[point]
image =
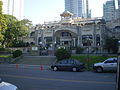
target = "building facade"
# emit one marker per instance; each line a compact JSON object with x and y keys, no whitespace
{"x":119,"y":4}
{"x":109,"y":10}
{"x":75,"y":7}
{"x":14,"y":7}
{"x":71,"y":32}
{"x":117,"y":14}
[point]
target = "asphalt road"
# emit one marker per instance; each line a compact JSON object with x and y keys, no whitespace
{"x":36,"y":79}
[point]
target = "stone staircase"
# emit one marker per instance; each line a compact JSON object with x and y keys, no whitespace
{"x":37,"y":60}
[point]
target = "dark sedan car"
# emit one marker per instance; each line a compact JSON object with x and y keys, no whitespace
{"x":69,"y":64}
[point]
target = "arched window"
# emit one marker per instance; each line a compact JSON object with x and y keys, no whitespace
{"x":63,"y":34}
{"x":32,"y":34}
{"x":98,"y":40}
{"x":87,"y":40}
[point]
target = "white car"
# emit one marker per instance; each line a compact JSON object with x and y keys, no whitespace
{"x":7,"y":86}
{"x":109,"y":64}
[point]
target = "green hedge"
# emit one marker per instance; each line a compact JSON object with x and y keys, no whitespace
{"x":62,"y":54}
{"x":92,"y":59}
{"x":17,"y":53}
{"x":2,"y":49}
{"x":79,"y":50}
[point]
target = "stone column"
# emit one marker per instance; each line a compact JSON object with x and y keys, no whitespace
{"x":94,"y":35}
{"x":45,"y":41}
{"x":80,"y":36}
{"x":78,"y":40}
{"x":69,"y":44}
{"x":37,"y":41}
{"x":42,"y":38}
{"x":74,"y":42}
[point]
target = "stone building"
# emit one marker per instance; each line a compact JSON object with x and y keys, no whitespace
{"x":71,"y":32}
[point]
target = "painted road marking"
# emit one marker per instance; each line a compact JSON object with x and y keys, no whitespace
{"x":53,"y":79}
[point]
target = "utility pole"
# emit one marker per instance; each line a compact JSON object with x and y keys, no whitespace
{"x":87,"y":8}
{"x":118,"y":70}
{"x":88,"y":54}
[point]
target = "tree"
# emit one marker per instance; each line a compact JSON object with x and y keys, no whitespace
{"x":62,"y":54}
{"x":3,"y":25}
{"x":15,"y":29}
{"x":111,"y":45}
{"x":12,"y":31}
{"x":19,"y":43}
{"x":24,"y":26}
{"x":17,"y":53}
{"x":1,"y":7}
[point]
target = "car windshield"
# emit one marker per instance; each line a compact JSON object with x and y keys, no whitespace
{"x":62,"y":62}
{"x":71,"y":61}
{"x":111,"y":60}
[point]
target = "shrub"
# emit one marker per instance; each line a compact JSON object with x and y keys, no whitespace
{"x":79,"y":50}
{"x":19,"y":43}
{"x":17,"y":53}
{"x":2,"y":49}
{"x":62,"y":54}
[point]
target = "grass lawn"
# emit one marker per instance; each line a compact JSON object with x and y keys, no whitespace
{"x":92,"y":59}
{"x":6,"y":56}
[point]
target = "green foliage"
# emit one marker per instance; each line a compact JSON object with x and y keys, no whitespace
{"x":19,"y":43}
{"x":62,"y":54}
{"x":111,"y":45}
{"x":24,"y":26}
{"x":1,"y":7}
{"x":6,"y":56}
{"x":92,"y":59}
{"x":5,"y":49}
{"x":2,"y":23}
{"x":2,"y":49}
{"x":79,"y":50}
{"x":17,"y":53}
{"x":11,"y":31}
{"x":15,"y":29}
{"x":26,"y":22}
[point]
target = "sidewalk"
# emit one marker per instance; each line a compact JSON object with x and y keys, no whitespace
{"x":37,"y":60}
{"x":25,"y":66}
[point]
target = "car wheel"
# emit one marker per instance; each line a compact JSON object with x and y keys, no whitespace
{"x":74,"y":69}
{"x":99,"y":69}
{"x":55,"y":68}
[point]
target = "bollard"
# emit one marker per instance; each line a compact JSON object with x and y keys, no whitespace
{"x":41,"y":67}
{"x":17,"y":66}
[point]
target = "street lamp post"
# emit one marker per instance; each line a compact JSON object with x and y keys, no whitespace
{"x":54,"y":45}
{"x":118,"y":69}
{"x":88,"y":54}
{"x":88,"y":58}
{"x":40,"y":48}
